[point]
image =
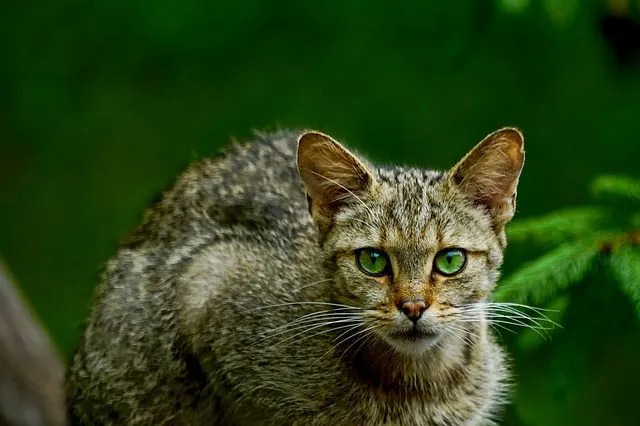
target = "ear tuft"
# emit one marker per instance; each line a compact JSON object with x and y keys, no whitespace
{"x":489,"y":173}
{"x":331,"y":174}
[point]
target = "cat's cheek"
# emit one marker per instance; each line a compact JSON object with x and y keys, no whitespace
{"x":359,"y":290}
{"x":468,"y":289}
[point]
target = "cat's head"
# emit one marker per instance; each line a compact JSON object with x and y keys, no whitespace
{"x":409,"y":246}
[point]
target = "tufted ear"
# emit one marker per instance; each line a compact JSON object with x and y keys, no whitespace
{"x":489,"y":174}
{"x":332,"y":176}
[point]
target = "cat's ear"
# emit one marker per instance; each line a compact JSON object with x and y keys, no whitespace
{"x":332,"y":176}
{"x":489,"y":174}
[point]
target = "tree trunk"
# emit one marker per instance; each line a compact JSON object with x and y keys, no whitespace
{"x":31,"y":374}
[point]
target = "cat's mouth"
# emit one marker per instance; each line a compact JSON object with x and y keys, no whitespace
{"x":414,"y":334}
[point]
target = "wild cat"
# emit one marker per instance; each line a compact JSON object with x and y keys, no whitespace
{"x":290,"y":281}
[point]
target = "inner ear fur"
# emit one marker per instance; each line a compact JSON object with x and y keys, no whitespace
{"x":332,"y":175}
{"x":488,"y":175}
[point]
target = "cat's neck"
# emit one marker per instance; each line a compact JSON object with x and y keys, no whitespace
{"x":447,"y":362}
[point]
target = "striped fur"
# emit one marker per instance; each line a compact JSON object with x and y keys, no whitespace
{"x":195,"y":319}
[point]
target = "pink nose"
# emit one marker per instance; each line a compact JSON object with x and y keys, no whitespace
{"x":413,"y":309}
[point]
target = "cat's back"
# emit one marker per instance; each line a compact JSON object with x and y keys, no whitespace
{"x":251,"y":188}
{"x":131,"y":351}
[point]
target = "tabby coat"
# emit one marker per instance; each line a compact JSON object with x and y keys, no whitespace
{"x":240,"y":299}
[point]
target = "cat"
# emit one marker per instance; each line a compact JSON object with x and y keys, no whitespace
{"x":289,"y":281}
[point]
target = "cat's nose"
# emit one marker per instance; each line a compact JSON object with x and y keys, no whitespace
{"x":413,"y":309}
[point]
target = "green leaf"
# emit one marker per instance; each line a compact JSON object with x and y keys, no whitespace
{"x":559,"y":226}
{"x":539,"y":280}
{"x":625,"y":263}
{"x":609,"y":186}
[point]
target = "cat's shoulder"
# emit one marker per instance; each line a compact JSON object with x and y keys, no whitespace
{"x":270,"y":147}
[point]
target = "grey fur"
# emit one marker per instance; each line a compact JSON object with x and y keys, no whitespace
{"x":181,"y":332}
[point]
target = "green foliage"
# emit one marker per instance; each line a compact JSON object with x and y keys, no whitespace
{"x":559,"y":226}
{"x":581,"y":238}
{"x":537,"y":281}
{"x":625,"y":264}
{"x":619,"y":188}
{"x":588,"y":280}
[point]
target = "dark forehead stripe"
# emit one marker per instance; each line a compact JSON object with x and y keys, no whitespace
{"x":405,"y":175}
{"x":412,"y":207}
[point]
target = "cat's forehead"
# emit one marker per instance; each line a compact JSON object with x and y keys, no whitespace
{"x":408,"y":176}
{"x":409,"y":197}
{"x":416,"y":211}
{"x":421,"y":208}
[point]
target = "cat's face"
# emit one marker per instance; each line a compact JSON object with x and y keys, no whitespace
{"x":435,"y":250}
{"x":408,"y":246}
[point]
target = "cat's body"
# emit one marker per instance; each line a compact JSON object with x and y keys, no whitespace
{"x":199,"y":319}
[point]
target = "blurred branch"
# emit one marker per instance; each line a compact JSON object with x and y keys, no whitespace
{"x":31,"y":374}
{"x":607,"y":232}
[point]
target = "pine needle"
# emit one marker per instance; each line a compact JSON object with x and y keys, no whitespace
{"x":539,"y":280}
{"x":625,"y":263}
{"x":607,"y":186}
{"x":558,"y":226}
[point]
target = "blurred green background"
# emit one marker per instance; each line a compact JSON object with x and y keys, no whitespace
{"x":103,"y":103}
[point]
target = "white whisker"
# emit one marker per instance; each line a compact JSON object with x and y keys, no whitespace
{"x":316,"y":319}
{"x":339,"y":305}
{"x":309,"y":327}
{"x":328,"y":330}
{"x":363,"y":332}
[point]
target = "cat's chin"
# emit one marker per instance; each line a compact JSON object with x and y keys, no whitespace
{"x":414,"y":343}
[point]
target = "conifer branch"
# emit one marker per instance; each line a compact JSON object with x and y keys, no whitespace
{"x":558,"y":226}
{"x":609,"y":230}
{"x":621,"y":187}
{"x":539,"y":280}
{"x":625,"y":264}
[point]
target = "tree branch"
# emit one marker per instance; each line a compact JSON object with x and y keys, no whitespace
{"x":31,"y":374}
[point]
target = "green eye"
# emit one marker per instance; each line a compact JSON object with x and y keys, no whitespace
{"x":373,"y":262}
{"x":450,"y":261}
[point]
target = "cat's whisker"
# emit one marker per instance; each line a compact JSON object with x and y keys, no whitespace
{"x":339,"y":342}
{"x":456,"y":333}
{"x":369,"y":335}
{"x":469,"y":332}
{"x":334,"y":346}
{"x":496,"y":326}
{"x":524,"y":321}
{"x":496,"y":329}
{"x":462,"y":333}
{"x":513,"y":315}
{"x":312,"y":326}
{"x":511,"y":304}
{"x":327,"y":330}
{"x":514,"y":323}
{"x":312,"y":284}
{"x":363,"y":334}
{"x":502,"y":322}
{"x":277,"y":305}
{"x":520,"y":305}
{"x":315,"y":319}
{"x":327,"y":314}
{"x":515,"y":309}
{"x":517,"y":317}
{"x":339,"y":310}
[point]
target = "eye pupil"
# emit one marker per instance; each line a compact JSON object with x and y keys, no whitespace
{"x":450,"y":261}
{"x":372,"y":262}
